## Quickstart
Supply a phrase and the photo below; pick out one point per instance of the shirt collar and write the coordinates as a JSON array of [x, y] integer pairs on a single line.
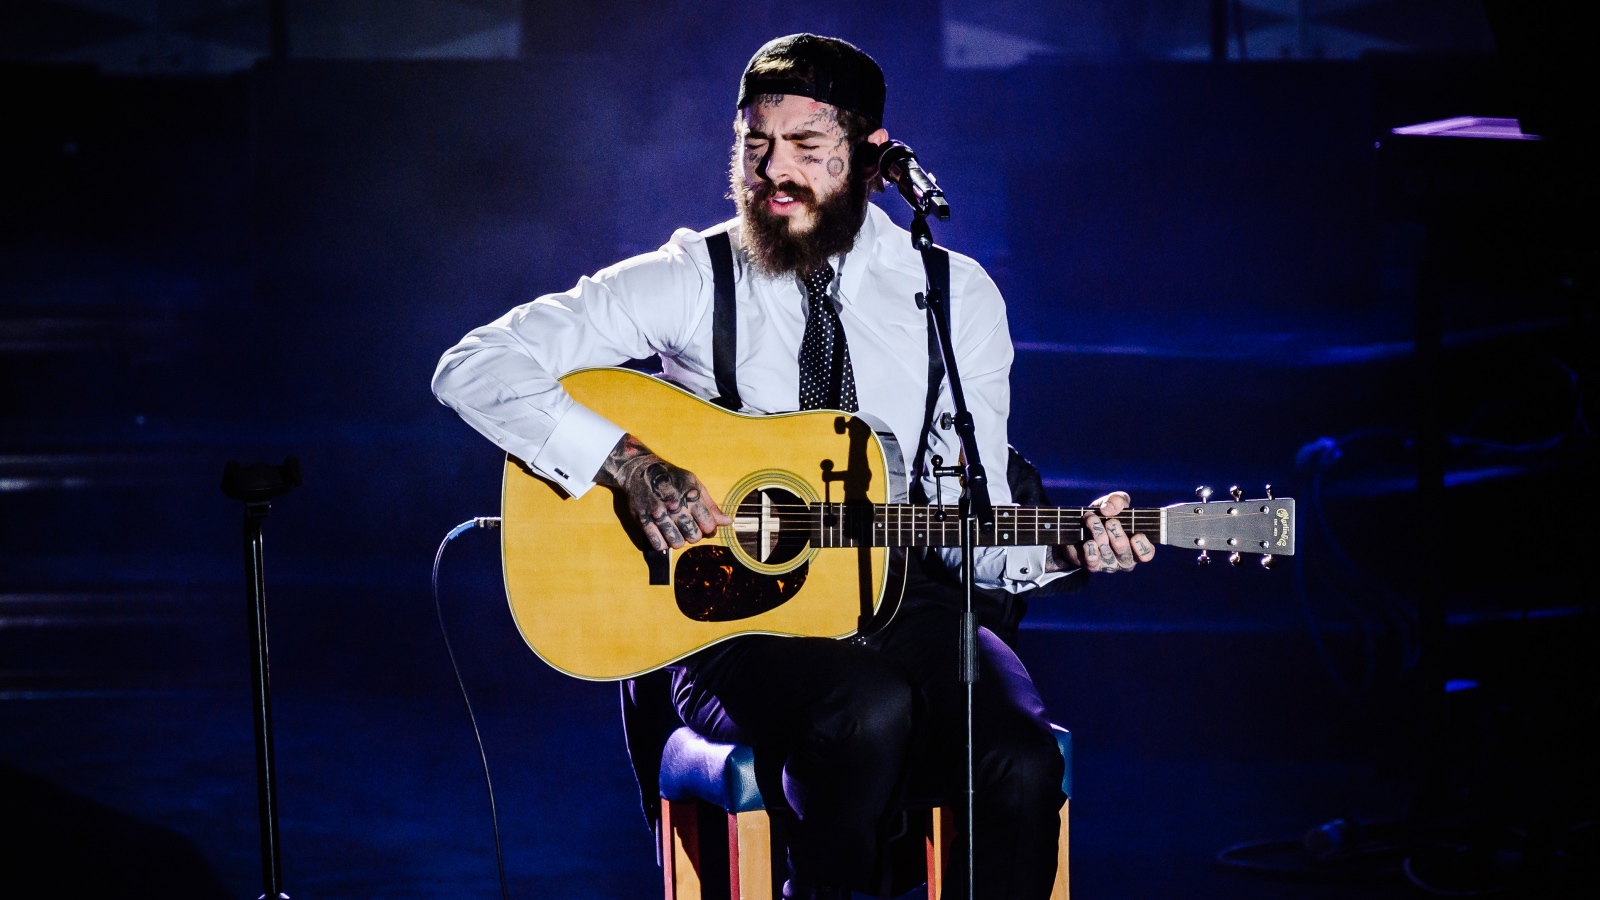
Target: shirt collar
[[852, 266]]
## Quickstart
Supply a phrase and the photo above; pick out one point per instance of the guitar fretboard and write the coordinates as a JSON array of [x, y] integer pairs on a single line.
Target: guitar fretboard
[[909, 525]]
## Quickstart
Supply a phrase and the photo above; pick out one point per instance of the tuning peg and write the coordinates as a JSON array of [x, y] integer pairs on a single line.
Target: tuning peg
[[1234, 558], [1204, 559], [1235, 493], [1204, 493], [1269, 492], [1268, 560]]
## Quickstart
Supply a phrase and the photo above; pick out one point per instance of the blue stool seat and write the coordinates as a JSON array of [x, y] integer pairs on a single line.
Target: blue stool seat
[[697, 770]]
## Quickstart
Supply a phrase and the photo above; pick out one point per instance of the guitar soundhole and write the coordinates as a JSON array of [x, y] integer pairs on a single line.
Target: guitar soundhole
[[771, 525], [711, 585]]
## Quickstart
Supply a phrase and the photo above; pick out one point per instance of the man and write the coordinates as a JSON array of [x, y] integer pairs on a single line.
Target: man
[[825, 319]]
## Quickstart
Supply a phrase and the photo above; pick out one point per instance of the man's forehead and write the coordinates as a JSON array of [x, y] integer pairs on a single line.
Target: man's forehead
[[782, 113]]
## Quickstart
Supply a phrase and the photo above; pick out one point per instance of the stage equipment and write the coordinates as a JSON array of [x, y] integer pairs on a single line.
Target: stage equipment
[[486, 522], [976, 508], [898, 163], [257, 485], [820, 506]]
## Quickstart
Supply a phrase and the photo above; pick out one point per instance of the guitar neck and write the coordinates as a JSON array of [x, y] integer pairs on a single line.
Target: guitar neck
[[913, 525]]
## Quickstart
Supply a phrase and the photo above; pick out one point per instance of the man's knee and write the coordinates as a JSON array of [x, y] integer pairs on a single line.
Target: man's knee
[[1028, 768]]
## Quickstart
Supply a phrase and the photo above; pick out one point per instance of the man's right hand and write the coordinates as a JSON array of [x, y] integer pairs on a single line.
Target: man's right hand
[[672, 506]]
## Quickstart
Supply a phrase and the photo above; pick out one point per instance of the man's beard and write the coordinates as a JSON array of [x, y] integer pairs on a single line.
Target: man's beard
[[774, 250]]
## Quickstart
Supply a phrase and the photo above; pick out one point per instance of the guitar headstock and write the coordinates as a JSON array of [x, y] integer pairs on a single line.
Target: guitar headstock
[[1235, 526]]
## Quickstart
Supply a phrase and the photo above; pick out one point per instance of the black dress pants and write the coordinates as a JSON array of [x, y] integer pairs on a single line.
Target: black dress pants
[[860, 729]]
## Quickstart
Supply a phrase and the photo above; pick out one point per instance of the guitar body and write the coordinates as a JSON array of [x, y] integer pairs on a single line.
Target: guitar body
[[591, 600]]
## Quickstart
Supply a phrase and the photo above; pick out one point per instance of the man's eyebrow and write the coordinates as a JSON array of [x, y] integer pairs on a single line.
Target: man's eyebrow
[[809, 135]]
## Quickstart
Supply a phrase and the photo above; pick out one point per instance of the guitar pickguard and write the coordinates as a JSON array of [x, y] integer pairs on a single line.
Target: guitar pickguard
[[711, 585]]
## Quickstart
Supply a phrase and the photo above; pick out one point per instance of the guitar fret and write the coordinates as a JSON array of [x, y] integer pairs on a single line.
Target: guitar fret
[[919, 525]]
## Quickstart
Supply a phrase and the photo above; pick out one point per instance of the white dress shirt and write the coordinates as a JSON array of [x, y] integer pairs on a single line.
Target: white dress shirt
[[502, 378]]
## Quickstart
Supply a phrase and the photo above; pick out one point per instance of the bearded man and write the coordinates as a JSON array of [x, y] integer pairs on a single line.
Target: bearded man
[[824, 284]]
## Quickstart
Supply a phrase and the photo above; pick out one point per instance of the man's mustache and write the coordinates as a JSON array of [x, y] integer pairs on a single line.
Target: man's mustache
[[764, 191]]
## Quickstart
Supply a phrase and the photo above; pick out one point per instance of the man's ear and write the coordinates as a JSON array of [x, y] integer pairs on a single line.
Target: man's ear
[[876, 139]]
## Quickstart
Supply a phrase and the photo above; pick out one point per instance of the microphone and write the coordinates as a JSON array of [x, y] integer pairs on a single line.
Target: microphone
[[898, 163]]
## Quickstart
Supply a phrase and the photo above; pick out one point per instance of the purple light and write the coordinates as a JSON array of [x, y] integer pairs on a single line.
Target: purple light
[[1470, 127], [1459, 684]]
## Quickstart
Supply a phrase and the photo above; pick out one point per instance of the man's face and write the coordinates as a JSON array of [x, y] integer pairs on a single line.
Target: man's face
[[793, 184], [792, 155]]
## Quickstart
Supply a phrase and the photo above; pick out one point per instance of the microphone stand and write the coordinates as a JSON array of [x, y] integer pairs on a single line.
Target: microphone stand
[[975, 509], [257, 485]]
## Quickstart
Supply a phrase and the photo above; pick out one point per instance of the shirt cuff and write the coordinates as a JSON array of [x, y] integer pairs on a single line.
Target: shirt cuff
[[1027, 564], [576, 449]]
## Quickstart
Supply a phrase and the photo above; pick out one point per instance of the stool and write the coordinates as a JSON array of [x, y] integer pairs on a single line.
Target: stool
[[695, 770]]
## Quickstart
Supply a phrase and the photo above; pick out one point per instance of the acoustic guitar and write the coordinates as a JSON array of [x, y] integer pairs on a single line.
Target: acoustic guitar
[[821, 521]]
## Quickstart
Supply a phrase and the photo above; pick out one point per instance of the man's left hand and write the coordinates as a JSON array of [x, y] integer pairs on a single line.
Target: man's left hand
[[1109, 547]]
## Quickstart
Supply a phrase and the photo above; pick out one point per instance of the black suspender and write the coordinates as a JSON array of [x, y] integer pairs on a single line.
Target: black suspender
[[935, 378], [724, 322]]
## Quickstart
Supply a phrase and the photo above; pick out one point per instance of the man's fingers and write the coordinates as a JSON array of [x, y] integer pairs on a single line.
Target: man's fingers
[[1142, 548], [687, 527], [1107, 558], [670, 532], [1119, 543], [1113, 503], [653, 535], [717, 515], [1091, 556], [703, 519], [662, 521], [1101, 542]]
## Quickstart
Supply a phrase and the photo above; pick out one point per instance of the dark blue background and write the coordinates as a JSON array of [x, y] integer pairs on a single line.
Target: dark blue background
[[1206, 269]]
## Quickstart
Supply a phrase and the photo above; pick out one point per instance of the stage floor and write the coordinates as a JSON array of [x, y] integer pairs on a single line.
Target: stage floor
[[382, 797]]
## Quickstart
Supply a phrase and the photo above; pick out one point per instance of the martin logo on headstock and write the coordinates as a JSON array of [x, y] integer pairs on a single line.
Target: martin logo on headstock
[[1238, 526]]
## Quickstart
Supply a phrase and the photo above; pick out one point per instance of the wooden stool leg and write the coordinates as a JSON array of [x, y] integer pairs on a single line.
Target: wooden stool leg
[[680, 850], [941, 836], [750, 855], [1062, 890]]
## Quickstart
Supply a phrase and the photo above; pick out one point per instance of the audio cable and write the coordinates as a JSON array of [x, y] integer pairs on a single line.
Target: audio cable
[[494, 814]]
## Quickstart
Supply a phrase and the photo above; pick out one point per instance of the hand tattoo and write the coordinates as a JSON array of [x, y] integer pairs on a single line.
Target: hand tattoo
[[666, 500]]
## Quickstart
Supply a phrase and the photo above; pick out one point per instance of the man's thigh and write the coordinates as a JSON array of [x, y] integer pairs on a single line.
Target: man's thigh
[[764, 690], [1007, 708]]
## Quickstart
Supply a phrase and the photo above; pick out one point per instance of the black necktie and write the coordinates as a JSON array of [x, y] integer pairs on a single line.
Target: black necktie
[[826, 379]]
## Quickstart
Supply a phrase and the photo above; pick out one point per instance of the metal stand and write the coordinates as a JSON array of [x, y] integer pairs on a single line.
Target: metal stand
[[976, 511], [256, 485]]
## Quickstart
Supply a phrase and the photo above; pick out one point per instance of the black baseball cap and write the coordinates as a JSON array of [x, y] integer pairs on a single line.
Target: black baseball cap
[[825, 69]]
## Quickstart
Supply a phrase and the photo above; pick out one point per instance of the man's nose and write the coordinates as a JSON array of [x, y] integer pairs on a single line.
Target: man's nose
[[777, 166]]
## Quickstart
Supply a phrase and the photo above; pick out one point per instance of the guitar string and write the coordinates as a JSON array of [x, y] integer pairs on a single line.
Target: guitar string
[[1024, 519], [1022, 514], [1027, 519], [1037, 511]]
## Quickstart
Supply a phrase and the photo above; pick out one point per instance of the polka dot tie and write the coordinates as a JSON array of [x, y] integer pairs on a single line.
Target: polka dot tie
[[826, 379]]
